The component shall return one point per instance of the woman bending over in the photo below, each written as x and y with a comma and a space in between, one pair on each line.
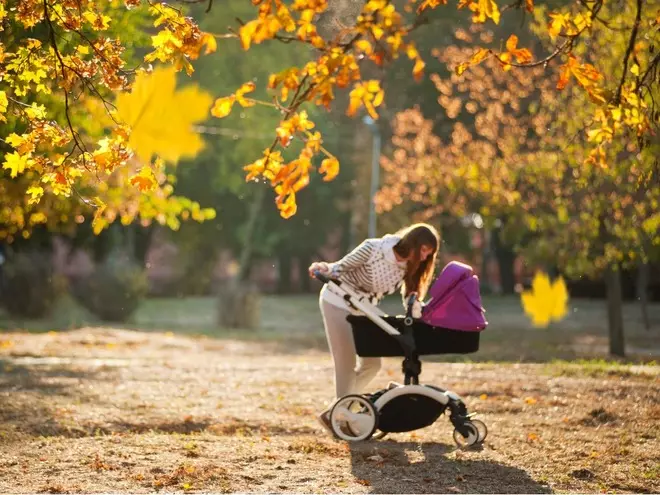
376, 268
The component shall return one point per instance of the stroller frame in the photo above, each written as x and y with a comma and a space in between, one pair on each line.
399, 407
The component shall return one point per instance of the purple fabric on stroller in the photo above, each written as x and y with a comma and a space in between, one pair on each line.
455, 301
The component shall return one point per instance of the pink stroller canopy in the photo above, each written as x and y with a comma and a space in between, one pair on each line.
455, 301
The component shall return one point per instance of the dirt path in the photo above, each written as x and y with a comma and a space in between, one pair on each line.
99, 410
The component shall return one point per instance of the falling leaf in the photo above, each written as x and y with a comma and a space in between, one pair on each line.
363, 482
161, 118
532, 437
530, 400
483, 396
546, 302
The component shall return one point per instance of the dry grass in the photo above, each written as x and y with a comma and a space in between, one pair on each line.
112, 410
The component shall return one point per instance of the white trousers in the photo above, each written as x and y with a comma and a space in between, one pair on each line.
352, 373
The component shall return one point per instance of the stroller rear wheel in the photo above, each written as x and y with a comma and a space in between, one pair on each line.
353, 418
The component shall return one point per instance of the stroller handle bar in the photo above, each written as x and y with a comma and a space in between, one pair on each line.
318, 275
409, 302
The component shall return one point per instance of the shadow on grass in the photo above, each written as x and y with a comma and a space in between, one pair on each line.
28, 396
409, 467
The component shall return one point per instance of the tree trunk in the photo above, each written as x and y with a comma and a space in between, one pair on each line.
253, 216
303, 273
643, 276
505, 258
615, 311
284, 275
239, 300
142, 242
239, 306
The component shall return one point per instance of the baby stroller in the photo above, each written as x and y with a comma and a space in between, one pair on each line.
451, 323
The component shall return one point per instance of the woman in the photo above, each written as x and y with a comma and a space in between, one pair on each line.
376, 268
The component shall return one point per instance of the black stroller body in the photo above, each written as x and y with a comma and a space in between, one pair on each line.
409, 406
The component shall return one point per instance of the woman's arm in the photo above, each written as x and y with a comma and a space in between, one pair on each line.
356, 258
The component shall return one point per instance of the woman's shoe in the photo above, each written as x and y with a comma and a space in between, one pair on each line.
324, 421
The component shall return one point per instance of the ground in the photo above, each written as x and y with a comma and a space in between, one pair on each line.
102, 409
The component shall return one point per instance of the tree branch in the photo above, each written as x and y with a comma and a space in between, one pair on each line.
652, 67
629, 49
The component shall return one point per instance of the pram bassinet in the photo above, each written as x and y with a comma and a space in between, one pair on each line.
451, 321
371, 341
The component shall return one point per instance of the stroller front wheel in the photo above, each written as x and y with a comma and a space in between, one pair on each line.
353, 418
468, 440
481, 428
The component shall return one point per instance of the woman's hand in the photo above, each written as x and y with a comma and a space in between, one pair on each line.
319, 266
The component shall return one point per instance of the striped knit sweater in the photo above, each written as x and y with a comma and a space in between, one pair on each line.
371, 269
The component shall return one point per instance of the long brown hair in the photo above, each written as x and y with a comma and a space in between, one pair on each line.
418, 273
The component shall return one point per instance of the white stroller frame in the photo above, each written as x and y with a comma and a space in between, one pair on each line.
405, 407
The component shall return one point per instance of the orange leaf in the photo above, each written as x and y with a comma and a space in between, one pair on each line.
479, 56
248, 87
564, 77
247, 33
460, 68
144, 180
512, 43
223, 106
418, 70
364, 46
329, 167
529, 5
430, 4
288, 207
558, 21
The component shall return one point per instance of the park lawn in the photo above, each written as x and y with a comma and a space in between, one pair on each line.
169, 402
295, 321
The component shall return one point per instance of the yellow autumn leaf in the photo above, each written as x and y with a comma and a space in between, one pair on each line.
460, 68
484, 9
35, 193
3, 106
144, 180
161, 118
248, 87
99, 222
16, 163
418, 69
480, 55
223, 106
329, 167
546, 302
